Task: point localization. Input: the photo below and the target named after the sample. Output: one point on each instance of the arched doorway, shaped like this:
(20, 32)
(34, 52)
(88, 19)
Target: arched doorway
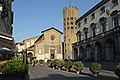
(98, 52)
(88, 52)
(75, 54)
(30, 57)
(81, 49)
(110, 50)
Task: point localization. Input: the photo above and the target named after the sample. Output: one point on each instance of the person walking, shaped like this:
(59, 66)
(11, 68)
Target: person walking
(33, 62)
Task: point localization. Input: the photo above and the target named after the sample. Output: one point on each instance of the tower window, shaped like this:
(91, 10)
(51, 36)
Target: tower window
(67, 23)
(64, 19)
(71, 18)
(72, 27)
(64, 28)
(68, 28)
(68, 39)
(71, 23)
(68, 18)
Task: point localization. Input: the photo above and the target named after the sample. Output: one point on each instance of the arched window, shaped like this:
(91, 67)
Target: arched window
(93, 27)
(103, 23)
(115, 18)
(86, 32)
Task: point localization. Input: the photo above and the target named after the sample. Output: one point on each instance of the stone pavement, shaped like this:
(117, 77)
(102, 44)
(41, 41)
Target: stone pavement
(42, 72)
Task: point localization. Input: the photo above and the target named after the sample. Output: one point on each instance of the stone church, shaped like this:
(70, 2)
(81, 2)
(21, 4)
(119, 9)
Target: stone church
(44, 47)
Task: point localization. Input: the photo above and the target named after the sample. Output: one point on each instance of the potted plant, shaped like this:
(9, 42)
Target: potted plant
(78, 66)
(68, 64)
(117, 70)
(41, 62)
(95, 68)
(54, 63)
(60, 64)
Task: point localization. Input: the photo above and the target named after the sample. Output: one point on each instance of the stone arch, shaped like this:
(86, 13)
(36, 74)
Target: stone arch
(88, 52)
(98, 51)
(110, 49)
(114, 13)
(75, 53)
(102, 19)
(30, 56)
(81, 49)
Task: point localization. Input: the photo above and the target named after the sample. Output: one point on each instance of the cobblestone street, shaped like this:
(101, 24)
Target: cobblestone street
(41, 72)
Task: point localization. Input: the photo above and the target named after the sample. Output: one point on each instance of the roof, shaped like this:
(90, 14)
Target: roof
(31, 48)
(92, 10)
(30, 38)
(19, 43)
(39, 38)
(50, 29)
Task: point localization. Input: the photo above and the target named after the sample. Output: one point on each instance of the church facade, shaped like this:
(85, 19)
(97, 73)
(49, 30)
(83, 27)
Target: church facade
(49, 45)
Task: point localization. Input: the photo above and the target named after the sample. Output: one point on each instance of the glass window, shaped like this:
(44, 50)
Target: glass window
(103, 26)
(116, 21)
(85, 20)
(86, 32)
(114, 3)
(93, 16)
(102, 10)
(71, 23)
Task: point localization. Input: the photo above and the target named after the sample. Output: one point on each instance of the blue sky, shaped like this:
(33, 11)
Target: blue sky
(33, 16)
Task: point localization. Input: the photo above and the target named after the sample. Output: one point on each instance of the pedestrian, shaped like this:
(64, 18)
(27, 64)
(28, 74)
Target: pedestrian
(33, 62)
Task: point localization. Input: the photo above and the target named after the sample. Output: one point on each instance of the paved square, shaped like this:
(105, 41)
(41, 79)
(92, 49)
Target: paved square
(41, 72)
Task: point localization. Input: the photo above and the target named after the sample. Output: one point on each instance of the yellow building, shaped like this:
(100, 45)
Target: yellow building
(70, 15)
(46, 46)
(49, 45)
(27, 44)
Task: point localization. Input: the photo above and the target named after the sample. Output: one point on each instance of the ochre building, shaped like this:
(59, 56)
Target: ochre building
(70, 15)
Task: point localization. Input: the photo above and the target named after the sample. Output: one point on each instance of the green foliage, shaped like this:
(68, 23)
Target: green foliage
(117, 70)
(68, 64)
(95, 68)
(41, 61)
(48, 62)
(78, 66)
(55, 62)
(60, 63)
(15, 68)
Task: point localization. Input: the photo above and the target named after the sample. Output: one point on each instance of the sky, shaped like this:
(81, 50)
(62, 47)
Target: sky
(33, 16)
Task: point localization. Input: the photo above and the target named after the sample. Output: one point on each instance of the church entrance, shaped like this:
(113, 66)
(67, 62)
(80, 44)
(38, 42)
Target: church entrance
(52, 54)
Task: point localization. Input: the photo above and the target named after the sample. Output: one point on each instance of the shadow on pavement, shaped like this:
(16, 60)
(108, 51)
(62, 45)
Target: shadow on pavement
(105, 65)
(62, 77)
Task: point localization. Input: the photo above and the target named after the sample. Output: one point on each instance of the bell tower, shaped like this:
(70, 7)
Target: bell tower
(70, 15)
